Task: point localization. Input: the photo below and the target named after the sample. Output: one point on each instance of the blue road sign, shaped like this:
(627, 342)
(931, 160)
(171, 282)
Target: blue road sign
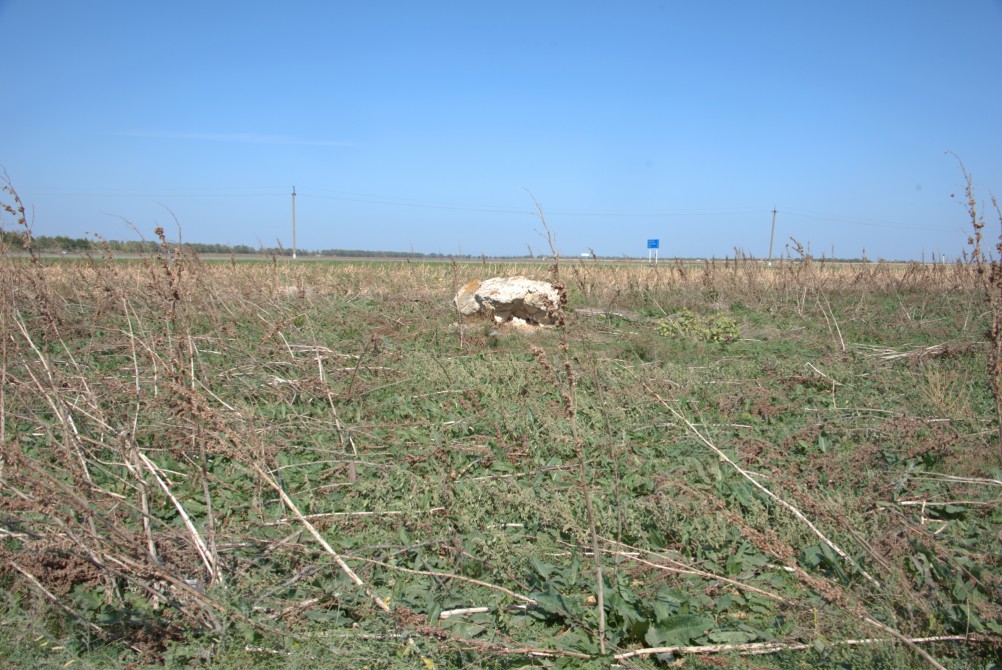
(653, 244)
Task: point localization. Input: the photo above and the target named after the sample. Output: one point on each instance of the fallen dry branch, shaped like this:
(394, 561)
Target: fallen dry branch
(626, 315)
(944, 503)
(200, 546)
(922, 353)
(667, 564)
(463, 611)
(538, 652)
(959, 480)
(757, 648)
(338, 515)
(447, 575)
(901, 638)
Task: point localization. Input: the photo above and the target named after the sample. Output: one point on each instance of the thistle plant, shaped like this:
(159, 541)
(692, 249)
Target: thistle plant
(988, 276)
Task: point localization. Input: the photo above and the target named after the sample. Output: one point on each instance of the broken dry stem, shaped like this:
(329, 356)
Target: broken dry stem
(345, 568)
(446, 575)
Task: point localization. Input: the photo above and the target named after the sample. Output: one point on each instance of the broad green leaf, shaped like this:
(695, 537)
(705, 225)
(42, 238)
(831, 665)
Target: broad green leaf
(677, 630)
(948, 512)
(544, 569)
(464, 629)
(663, 611)
(574, 572)
(553, 602)
(823, 443)
(323, 616)
(735, 564)
(615, 602)
(582, 641)
(732, 636)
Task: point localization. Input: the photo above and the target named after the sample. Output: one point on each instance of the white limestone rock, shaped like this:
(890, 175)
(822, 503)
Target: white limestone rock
(518, 300)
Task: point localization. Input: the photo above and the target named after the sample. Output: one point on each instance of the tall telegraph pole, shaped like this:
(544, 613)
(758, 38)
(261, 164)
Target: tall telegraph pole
(772, 235)
(294, 223)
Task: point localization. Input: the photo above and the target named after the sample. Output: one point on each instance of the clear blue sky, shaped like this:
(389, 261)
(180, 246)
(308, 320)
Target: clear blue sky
(421, 125)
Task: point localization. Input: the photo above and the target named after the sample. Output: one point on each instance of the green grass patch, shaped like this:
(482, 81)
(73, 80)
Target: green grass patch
(174, 434)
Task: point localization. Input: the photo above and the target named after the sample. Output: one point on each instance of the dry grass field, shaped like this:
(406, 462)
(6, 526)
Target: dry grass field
(280, 464)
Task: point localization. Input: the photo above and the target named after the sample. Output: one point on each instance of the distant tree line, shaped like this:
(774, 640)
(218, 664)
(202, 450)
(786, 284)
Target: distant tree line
(60, 243)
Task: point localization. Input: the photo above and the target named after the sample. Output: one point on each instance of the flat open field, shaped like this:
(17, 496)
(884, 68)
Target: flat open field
(287, 464)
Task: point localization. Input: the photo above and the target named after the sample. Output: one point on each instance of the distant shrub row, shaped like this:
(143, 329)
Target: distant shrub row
(61, 243)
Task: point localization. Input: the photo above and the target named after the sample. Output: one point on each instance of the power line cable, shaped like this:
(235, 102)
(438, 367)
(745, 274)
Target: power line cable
(393, 201)
(868, 223)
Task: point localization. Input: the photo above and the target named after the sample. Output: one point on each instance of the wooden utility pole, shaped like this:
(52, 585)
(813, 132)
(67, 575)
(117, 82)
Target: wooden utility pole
(294, 223)
(772, 235)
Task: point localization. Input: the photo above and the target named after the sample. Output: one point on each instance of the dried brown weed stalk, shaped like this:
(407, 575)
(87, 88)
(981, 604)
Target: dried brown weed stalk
(988, 275)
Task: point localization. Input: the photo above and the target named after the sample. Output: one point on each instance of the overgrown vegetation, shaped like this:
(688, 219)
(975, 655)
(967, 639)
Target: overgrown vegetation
(685, 324)
(285, 465)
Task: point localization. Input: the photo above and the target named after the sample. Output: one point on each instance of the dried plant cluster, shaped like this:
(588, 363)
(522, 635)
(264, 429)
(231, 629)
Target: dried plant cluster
(989, 279)
(257, 464)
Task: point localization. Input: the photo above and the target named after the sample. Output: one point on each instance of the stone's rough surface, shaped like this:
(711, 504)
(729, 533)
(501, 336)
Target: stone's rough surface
(511, 299)
(466, 300)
